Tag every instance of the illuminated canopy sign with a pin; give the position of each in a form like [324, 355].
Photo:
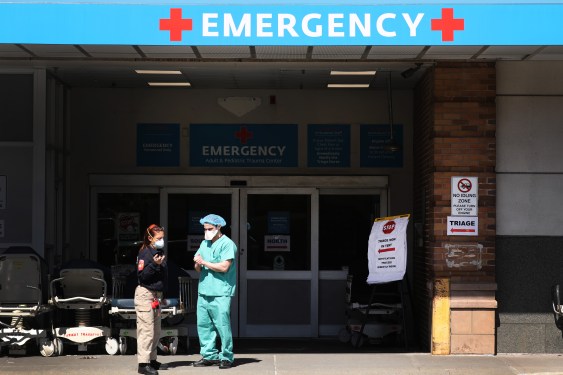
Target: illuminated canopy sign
[149, 23]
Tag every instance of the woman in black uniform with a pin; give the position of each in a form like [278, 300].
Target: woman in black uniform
[152, 277]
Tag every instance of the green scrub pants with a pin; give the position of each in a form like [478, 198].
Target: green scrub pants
[214, 317]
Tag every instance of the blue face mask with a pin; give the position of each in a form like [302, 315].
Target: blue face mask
[159, 244]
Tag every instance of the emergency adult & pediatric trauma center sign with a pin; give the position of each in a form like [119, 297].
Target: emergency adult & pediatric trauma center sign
[387, 249]
[196, 23]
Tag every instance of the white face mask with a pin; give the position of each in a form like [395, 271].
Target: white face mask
[159, 244]
[209, 234]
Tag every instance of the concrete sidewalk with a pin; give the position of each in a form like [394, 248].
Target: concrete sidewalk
[297, 364]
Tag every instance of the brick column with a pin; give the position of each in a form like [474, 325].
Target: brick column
[454, 130]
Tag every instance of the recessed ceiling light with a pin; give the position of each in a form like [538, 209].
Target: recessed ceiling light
[176, 84]
[348, 85]
[353, 73]
[158, 72]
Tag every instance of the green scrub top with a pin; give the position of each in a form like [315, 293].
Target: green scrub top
[213, 283]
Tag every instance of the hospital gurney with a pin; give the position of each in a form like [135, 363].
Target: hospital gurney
[379, 321]
[173, 310]
[80, 299]
[23, 308]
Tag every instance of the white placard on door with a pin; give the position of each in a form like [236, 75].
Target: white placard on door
[463, 226]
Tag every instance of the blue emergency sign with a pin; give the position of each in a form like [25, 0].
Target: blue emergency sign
[218, 23]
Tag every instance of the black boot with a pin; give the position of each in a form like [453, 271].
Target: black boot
[158, 366]
[145, 368]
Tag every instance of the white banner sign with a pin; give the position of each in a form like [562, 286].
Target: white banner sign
[465, 193]
[463, 226]
[387, 249]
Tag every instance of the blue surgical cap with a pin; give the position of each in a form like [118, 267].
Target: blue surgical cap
[213, 220]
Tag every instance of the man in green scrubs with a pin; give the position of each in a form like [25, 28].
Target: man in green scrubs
[215, 260]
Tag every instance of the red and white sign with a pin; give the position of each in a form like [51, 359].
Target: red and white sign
[387, 249]
[277, 242]
[82, 334]
[463, 226]
[465, 196]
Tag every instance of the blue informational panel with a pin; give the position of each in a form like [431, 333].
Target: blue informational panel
[158, 145]
[373, 139]
[265, 145]
[328, 146]
[278, 222]
[311, 23]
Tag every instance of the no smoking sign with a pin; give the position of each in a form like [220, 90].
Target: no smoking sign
[465, 196]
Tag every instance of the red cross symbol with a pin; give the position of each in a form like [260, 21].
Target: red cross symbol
[447, 24]
[243, 134]
[175, 24]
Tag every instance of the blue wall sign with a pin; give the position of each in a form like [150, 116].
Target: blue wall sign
[265, 145]
[373, 139]
[278, 222]
[328, 146]
[158, 145]
[250, 23]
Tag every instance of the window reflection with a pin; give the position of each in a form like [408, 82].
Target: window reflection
[122, 217]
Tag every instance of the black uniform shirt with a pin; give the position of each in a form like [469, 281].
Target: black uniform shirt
[151, 275]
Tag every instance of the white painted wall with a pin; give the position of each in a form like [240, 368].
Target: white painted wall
[530, 148]
[103, 133]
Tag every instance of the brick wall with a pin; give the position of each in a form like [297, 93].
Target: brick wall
[454, 129]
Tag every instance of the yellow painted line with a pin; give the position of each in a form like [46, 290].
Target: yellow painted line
[441, 317]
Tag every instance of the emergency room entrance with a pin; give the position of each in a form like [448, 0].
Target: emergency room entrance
[297, 239]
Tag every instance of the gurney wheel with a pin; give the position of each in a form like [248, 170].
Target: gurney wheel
[357, 340]
[111, 346]
[123, 345]
[47, 347]
[59, 346]
[173, 347]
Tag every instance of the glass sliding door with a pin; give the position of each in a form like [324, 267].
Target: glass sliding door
[298, 238]
[278, 282]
